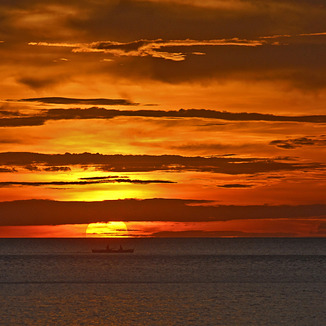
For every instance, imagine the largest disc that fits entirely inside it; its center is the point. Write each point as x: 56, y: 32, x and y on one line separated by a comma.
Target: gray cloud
x: 20, y: 122
x: 10, y: 140
x: 88, y: 101
x: 292, y: 143
x: 174, y: 19
x: 101, y: 113
x: 37, y: 82
x: 103, y: 178
x: 267, y: 62
x: 6, y: 184
x: 7, y: 113
x: 57, y: 169
x: 47, y: 212
x: 235, y: 185
x: 148, y: 163
x: 7, y: 170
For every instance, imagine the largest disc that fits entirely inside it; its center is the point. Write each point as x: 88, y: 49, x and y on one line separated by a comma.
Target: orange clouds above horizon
x: 221, y: 104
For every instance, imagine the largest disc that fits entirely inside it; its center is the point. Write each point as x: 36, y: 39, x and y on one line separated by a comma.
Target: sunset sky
x: 179, y: 117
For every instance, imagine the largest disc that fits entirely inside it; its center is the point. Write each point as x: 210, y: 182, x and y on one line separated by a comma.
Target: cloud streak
x: 86, y: 101
x: 149, y: 163
x: 79, y: 183
x: 42, y: 116
x: 236, y: 185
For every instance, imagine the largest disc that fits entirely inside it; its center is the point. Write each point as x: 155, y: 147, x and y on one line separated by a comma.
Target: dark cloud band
x: 47, y: 212
x: 101, y: 113
x: 236, y: 185
x: 148, y: 163
x: 87, y: 101
x: 78, y: 183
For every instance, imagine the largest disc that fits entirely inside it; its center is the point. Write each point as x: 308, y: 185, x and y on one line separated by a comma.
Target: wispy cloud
x: 149, y: 48
x: 313, y: 34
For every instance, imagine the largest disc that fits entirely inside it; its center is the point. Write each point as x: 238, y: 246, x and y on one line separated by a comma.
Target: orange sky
x: 213, y: 104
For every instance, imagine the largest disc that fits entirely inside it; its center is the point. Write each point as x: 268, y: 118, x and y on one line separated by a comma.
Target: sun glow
x: 107, y: 230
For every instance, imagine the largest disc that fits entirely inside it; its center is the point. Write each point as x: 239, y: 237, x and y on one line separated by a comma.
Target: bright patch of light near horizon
x: 107, y: 230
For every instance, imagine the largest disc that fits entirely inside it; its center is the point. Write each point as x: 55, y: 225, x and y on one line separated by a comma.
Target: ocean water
x: 164, y: 282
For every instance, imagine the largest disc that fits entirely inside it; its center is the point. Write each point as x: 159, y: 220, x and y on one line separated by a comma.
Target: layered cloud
x: 68, y: 66
x: 10, y: 119
x: 225, y: 58
x: 170, y: 41
x: 149, y: 163
x: 77, y: 183
x: 86, y: 101
x: 47, y: 212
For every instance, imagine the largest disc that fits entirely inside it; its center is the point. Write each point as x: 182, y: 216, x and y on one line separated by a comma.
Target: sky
x: 180, y: 118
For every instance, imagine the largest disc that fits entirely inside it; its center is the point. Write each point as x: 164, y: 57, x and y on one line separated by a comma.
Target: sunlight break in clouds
x: 142, y: 48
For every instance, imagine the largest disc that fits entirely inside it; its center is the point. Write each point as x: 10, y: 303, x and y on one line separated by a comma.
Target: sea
x: 166, y: 281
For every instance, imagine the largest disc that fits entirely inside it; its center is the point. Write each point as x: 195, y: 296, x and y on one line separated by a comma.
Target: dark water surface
x: 165, y: 282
